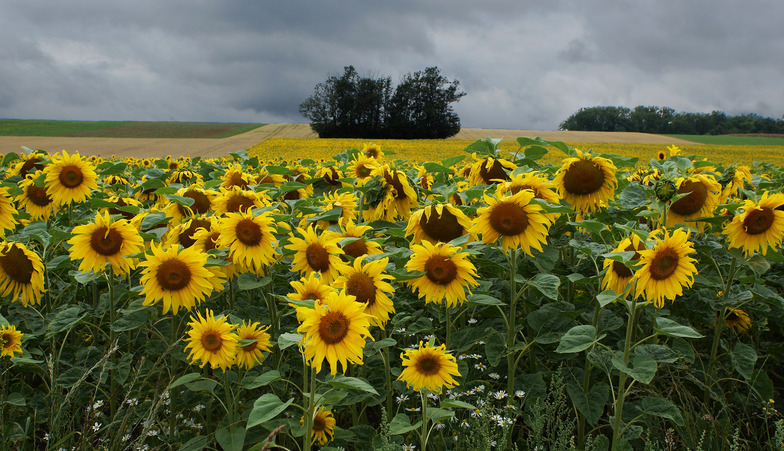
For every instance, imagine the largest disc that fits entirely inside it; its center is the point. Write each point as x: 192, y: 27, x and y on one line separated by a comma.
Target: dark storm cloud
x: 522, y: 66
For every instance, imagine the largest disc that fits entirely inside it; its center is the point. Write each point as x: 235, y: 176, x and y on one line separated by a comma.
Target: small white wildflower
x: 481, y: 388
x: 476, y: 413
x: 472, y: 321
x: 409, y: 447
x: 132, y: 402
x: 98, y: 404
x: 439, y: 425
x: 479, y: 342
x: 97, y: 426
x: 433, y: 396
x: 413, y: 409
x: 401, y: 398
x: 495, y: 376
x: 199, y: 407
x: 46, y: 437
x: 519, y: 393
x: 126, y: 437
x: 462, y: 356
x: 464, y: 424
x: 493, y: 443
x: 401, y: 330
x: 480, y: 366
x: 500, y: 394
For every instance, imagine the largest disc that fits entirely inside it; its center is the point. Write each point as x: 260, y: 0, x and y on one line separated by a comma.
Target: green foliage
x: 122, y: 129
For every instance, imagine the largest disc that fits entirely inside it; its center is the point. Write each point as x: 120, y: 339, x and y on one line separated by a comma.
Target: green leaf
x: 591, y: 226
x: 607, y: 296
x: 373, y: 347
x: 435, y: 167
x: 455, y: 404
x: 247, y: 281
x: 231, y: 440
x: 197, y: 443
x: 660, y: 407
x: 182, y: 200
x: 759, y: 264
x: 547, y: 284
x: 404, y: 275
x: 16, y: 400
x: 659, y: 353
x: 261, y: 380
x: 266, y: 407
x: 65, y: 320
x: 590, y: 404
x: 601, y: 358
x: 666, y: 326
x: 495, y: 348
x: 182, y: 380
x: 402, y: 424
x: 744, y: 357
x: 341, y: 381
x: 207, y: 385
x: 451, y: 161
x: 643, y: 368
x: 578, y: 338
x: 535, y: 152
x: 288, y: 339
x: 153, y: 219
x: 483, y: 299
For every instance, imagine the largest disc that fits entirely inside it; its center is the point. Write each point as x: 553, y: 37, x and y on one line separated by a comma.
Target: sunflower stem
x: 387, y: 371
x: 424, y: 433
x: 618, y: 408
x: 173, y: 369
x: 113, y: 383
x: 448, y: 325
x: 511, y: 320
x: 306, y: 440
x: 717, y: 331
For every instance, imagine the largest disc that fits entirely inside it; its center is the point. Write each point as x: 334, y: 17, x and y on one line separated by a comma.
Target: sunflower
x: 352, y: 241
x: 586, y: 182
x: 310, y: 287
x: 537, y: 182
x: 661, y: 155
x: 701, y: 201
x: 733, y: 182
x: 425, y: 178
x: 250, y: 240
x: 235, y: 176
x: 34, y: 199
x: 368, y: 283
x: 490, y: 171
x: 323, y: 428
x: 518, y: 222
x: 10, y: 341
x: 69, y: 178
x: 185, y: 177
x: 429, y: 368
x: 438, y: 223
x: 205, y: 240
x: 335, y: 330
x: 178, y: 278
x: 7, y: 212
x: 331, y: 176
x: 674, y: 150
x: 212, y: 341
x: 115, y: 184
x: 236, y: 199
x: 448, y: 273
x: 316, y: 253
x: 361, y: 168
x: 29, y: 164
x: 21, y: 273
x: 666, y: 267
x: 202, y: 203
x: 183, y: 233
x: 760, y: 225
x: 121, y: 202
x: 372, y: 150
x: 737, y: 320
x: 619, y: 275
x: 106, y: 241
x: 397, y: 198
x: 248, y: 355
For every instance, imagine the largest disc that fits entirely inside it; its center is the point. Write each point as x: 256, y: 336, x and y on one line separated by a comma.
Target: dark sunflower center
x: 444, y: 228
x: 758, y: 221
x: 319, y: 424
x: 664, y: 264
x: 185, y: 235
x: 292, y: 195
x: 692, y: 202
x: 239, y: 203
x: 508, y: 219
x: 428, y: 366
x: 17, y: 266
x: 333, y: 327
x: 362, y: 286
x: 32, y: 162
x: 493, y: 175
x: 236, y: 179
x: 248, y: 232
x: 71, y: 176
x: 250, y: 347
x: 106, y: 242
x: 317, y: 257
x: 212, y: 241
x: 363, y: 171
x: 173, y: 275
x: 211, y: 340
x: 622, y: 270
x: 583, y: 177
x: 37, y: 195
x: 356, y: 248
x: 393, y: 179
x: 332, y: 177
x: 662, y: 155
x: 516, y: 189
x: 440, y: 270
x: 732, y: 316
x: 312, y: 295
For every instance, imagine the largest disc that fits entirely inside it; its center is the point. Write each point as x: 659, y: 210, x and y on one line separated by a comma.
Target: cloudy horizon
x: 523, y: 65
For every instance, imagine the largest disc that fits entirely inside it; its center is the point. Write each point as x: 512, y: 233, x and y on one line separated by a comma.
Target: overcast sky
x: 523, y: 64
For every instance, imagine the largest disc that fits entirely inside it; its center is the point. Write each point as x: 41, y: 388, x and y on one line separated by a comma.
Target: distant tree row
x: 351, y: 106
x: 653, y: 119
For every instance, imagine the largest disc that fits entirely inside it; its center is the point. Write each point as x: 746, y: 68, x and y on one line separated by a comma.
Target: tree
x: 350, y: 106
x: 421, y: 106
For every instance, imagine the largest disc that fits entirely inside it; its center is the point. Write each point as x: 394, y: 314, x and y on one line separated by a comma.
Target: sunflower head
x: 515, y: 219
x: 586, y: 182
x: 21, y: 273
x: 212, y: 341
x: 448, y: 273
x: 252, y: 341
x: 666, y: 267
x: 758, y: 226
x: 438, y: 223
x: 323, y: 426
x: 70, y: 178
x: 737, y: 320
x: 10, y: 341
x: 429, y: 368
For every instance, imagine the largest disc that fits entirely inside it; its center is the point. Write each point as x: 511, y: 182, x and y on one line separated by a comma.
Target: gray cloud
x: 525, y: 66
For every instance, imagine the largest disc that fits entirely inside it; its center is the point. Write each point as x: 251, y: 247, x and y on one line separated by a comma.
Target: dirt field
x: 207, y: 148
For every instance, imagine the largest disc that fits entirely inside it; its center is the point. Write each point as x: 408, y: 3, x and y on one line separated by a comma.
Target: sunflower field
x: 521, y: 295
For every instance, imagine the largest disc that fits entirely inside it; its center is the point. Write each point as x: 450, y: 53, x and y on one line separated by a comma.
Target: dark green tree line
x: 351, y: 106
x: 654, y: 119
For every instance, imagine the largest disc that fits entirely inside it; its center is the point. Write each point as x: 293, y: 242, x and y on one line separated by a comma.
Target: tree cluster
x: 351, y: 106
x: 654, y: 119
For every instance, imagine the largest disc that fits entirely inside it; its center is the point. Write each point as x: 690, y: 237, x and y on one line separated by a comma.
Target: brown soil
x: 208, y: 148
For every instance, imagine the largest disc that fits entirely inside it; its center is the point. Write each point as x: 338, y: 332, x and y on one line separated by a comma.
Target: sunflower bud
x: 665, y: 189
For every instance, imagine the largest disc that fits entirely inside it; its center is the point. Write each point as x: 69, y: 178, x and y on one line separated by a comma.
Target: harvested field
x: 206, y: 148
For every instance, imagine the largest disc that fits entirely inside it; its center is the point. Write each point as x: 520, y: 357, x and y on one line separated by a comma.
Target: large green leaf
x: 341, y: 381
x: 643, y: 368
x: 578, y: 338
x: 666, y: 326
x: 231, y: 440
x: 261, y: 380
x: 744, y: 357
x: 402, y: 424
x: 590, y: 404
x: 267, y: 407
x: 660, y: 407
x: 547, y: 284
